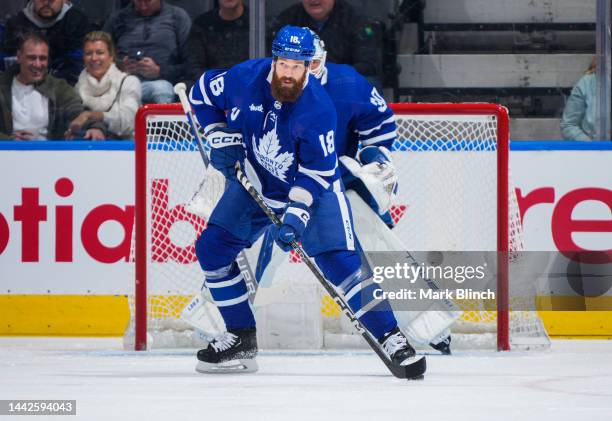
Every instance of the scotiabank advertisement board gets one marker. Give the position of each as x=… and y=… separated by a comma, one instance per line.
x=67, y=223
x=565, y=198
x=66, y=216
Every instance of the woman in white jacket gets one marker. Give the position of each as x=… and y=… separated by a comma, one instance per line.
x=109, y=95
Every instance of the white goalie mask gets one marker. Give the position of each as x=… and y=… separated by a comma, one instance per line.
x=317, y=65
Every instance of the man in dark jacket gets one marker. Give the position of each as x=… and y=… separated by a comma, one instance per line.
x=348, y=36
x=35, y=105
x=151, y=38
x=219, y=38
x=64, y=26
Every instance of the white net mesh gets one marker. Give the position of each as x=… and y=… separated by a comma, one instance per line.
x=175, y=171
x=447, y=167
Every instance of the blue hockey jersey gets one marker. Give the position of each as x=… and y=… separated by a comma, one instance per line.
x=289, y=145
x=363, y=115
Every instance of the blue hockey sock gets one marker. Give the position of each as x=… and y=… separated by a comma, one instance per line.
x=231, y=296
x=342, y=268
x=217, y=249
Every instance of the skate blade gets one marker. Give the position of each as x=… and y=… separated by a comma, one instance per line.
x=414, y=368
x=234, y=366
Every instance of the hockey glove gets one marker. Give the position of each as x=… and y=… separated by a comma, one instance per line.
x=381, y=156
x=372, y=176
x=226, y=148
x=295, y=219
x=371, y=154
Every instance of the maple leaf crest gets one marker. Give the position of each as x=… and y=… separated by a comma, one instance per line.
x=267, y=155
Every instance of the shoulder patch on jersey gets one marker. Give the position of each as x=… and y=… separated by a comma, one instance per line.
x=268, y=156
x=258, y=107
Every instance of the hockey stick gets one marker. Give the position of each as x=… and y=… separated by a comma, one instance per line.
x=196, y=308
x=412, y=371
x=180, y=90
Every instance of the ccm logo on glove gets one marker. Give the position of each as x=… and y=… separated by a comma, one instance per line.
x=304, y=215
x=221, y=140
x=220, y=137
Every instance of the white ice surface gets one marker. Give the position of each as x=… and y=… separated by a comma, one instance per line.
x=571, y=381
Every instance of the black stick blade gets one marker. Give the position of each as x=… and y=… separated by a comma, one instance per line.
x=412, y=370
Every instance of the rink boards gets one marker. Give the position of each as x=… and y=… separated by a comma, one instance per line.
x=66, y=214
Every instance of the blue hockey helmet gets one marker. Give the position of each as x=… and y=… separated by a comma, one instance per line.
x=294, y=43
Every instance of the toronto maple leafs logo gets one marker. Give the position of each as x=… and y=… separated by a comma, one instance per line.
x=268, y=156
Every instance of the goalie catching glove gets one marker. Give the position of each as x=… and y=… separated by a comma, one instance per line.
x=295, y=219
x=226, y=148
x=374, y=169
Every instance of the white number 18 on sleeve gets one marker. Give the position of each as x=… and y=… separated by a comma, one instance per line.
x=327, y=142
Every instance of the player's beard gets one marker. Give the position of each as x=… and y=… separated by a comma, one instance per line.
x=285, y=93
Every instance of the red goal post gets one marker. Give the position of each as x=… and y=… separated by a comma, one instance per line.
x=161, y=134
x=500, y=113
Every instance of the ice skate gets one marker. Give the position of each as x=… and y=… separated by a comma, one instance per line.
x=232, y=352
x=443, y=346
x=402, y=354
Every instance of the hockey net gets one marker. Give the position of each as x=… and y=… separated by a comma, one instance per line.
x=452, y=163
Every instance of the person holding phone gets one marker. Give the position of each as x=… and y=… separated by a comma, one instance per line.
x=151, y=36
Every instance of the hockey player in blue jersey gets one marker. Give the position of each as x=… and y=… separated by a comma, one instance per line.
x=365, y=133
x=280, y=124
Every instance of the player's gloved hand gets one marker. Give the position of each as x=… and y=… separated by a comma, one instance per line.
x=295, y=219
x=227, y=147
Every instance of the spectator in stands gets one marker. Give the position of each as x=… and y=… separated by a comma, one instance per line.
x=35, y=105
x=579, y=121
x=219, y=38
x=348, y=36
x=151, y=37
x=109, y=95
x=2, y=53
x=64, y=26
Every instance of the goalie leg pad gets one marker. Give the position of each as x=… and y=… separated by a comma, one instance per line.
x=421, y=327
x=203, y=315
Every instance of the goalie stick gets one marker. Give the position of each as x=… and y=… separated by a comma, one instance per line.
x=198, y=312
x=415, y=370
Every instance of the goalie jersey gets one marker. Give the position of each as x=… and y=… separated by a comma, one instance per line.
x=288, y=145
x=363, y=114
